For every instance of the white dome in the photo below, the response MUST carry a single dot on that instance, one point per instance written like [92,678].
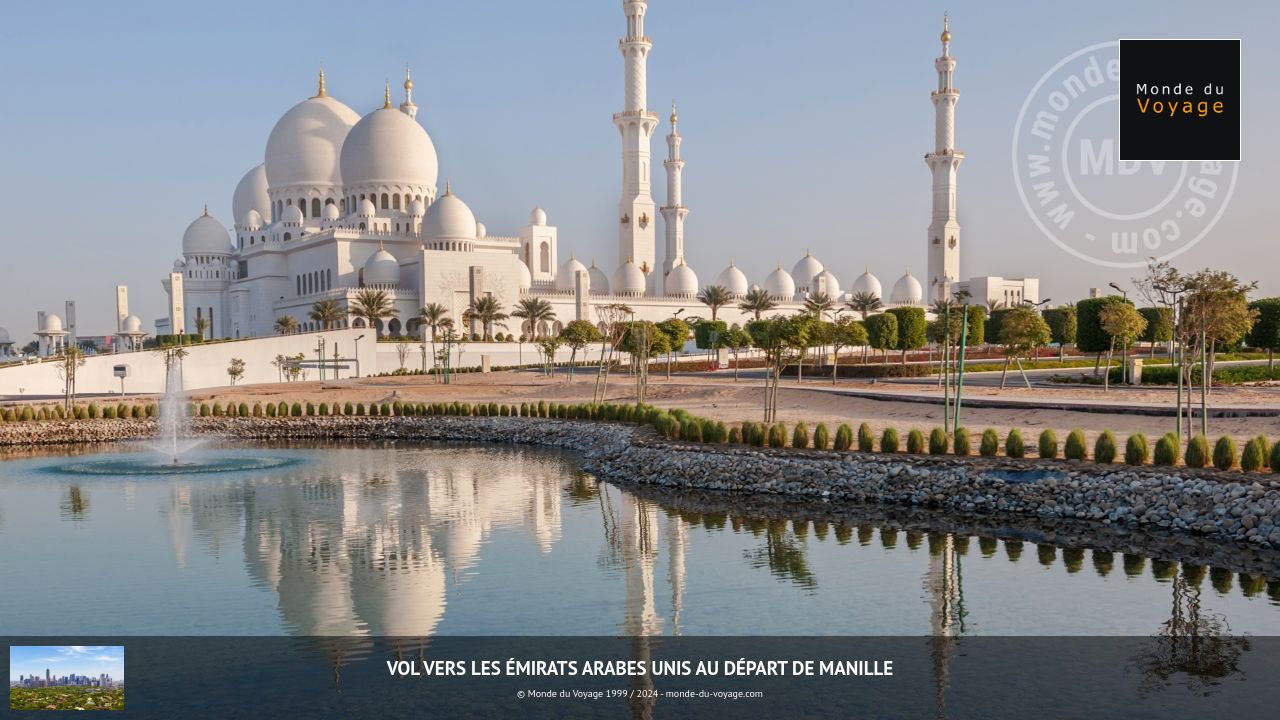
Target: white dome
[449,218]
[417,208]
[833,284]
[568,274]
[251,220]
[331,211]
[682,282]
[599,281]
[133,324]
[538,217]
[481,230]
[206,236]
[381,269]
[907,291]
[52,324]
[367,208]
[179,264]
[292,215]
[305,145]
[805,270]
[4,335]
[628,280]
[779,285]
[251,194]
[733,280]
[526,277]
[867,283]
[387,147]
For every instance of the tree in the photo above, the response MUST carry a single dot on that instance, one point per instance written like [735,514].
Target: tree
[1265,333]
[1062,326]
[845,332]
[532,312]
[714,297]
[912,329]
[864,302]
[548,346]
[736,340]
[1123,323]
[487,311]
[202,326]
[818,305]
[327,313]
[374,306]
[1022,332]
[286,324]
[706,333]
[69,362]
[1090,337]
[611,317]
[577,335]
[994,304]
[1159,326]
[882,332]
[995,322]
[432,316]
[677,332]
[402,352]
[779,338]
[1216,314]
[757,302]
[977,332]
[235,370]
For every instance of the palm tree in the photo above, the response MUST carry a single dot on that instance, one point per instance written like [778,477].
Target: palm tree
[373,306]
[714,297]
[757,302]
[488,312]
[326,312]
[818,305]
[286,324]
[864,303]
[533,312]
[994,304]
[202,327]
[432,317]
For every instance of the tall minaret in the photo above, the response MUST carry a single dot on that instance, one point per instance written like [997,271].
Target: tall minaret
[636,221]
[407,107]
[944,161]
[674,212]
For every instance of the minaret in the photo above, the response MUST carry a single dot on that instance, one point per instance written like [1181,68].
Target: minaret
[636,221]
[944,162]
[407,107]
[674,212]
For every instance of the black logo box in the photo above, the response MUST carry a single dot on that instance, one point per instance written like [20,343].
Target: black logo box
[1187,68]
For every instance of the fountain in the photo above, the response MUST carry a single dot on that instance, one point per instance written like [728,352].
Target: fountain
[172,439]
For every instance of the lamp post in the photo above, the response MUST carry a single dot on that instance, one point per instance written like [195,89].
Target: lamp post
[1176,360]
[358,339]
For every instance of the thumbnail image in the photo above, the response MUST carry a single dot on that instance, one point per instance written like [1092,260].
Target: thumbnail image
[66,677]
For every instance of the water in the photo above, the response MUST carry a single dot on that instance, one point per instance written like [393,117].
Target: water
[360,539]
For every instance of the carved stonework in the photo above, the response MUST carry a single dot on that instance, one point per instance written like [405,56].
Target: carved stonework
[626,219]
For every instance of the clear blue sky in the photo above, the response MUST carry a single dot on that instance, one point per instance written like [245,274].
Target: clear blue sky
[804,126]
[62,660]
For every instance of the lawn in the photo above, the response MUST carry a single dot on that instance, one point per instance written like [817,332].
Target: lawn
[66,698]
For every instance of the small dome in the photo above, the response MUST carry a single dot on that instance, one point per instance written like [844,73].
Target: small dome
[417,208]
[833,285]
[805,270]
[206,236]
[52,324]
[538,217]
[733,280]
[251,194]
[780,285]
[682,282]
[4,335]
[568,274]
[628,280]
[526,277]
[599,281]
[179,264]
[381,269]
[305,144]
[133,324]
[251,220]
[868,283]
[367,208]
[481,230]
[449,218]
[907,291]
[387,147]
[292,215]
[331,212]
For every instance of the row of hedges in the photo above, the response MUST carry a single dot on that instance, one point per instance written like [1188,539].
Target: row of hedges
[892,370]
[92,411]
[1225,375]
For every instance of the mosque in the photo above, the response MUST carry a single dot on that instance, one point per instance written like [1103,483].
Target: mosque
[342,203]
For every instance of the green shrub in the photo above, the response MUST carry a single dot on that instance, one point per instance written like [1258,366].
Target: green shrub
[989,445]
[153,410]
[296,409]
[271,409]
[1265,445]
[1224,453]
[311,409]
[937,441]
[218,410]
[493,409]
[889,440]
[800,436]
[109,413]
[322,409]
[1254,457]
[94,411]
[735,435]
[257,409]
[1014,446]
[757,435]
[722,433]
[1104,449]
[960,444]
[693,432]
[282,409]
[821,437]
[1166,452]
[1136,450]
[348,408]
[1047,447]
[244,409]
[386,409]
[866,439]
[778,436]
[542,409]
[204,410]
[360,408]
[1274,458]
[231,410]
[915,442]
[123,411]
[1076,448]
[1197,452]
[844,437]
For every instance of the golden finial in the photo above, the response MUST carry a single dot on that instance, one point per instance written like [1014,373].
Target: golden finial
[320,92]
[674,118]
[408,81]
[946,33]
[386,96]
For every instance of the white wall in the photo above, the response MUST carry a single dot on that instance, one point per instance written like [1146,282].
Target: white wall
[500,355]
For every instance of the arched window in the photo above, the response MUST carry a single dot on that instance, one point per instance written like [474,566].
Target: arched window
[385,201]
[395,202]
[544,258]
[302,205]
[288,237]
[343,206]
[289,202]
[361,226]
[328,278]
[315,207]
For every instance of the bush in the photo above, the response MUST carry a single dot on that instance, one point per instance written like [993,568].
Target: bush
[1047,447]
[1014,446]
[360,408]
[231,410]
[348,409]
[1075,448]
[800,436]
[311,409]
[1254,457]
[938,441]
[257,409]
[1136,450]
[322,409]
[1224,453]
[271,409]
[296,409]
[757,434]
[1274,459]
[108,413]
[244,409]
[961,444]
[844,438]
[94,411]
[735,435]
[889,441]
[989,446]
[204,410]
[721,434]
[778,436]
[1197,452]
[1104,449]
[866,439]
[915,442]
[282,409]
[1167,450]
[821,437]
[542,409]
[693,432]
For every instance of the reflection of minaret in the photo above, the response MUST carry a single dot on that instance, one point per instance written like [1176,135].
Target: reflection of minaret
[677,536]
[636,530]
[946,611]
[944,162]
[176,516]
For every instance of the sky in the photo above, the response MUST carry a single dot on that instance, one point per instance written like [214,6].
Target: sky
[804,126]
[61,660]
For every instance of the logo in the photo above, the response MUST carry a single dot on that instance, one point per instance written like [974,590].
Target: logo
[1072,182]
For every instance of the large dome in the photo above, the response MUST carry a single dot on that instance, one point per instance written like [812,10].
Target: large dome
[449,218]
[833,284]
[568,274]
[389,148]
[599,281]
[628,280]
[867,283]
[206,236]
[381,269]
[526,277]
[907,291]
[733,280]
[305,145]
[805,270]
[682,282]
[779,285]
[251,194]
